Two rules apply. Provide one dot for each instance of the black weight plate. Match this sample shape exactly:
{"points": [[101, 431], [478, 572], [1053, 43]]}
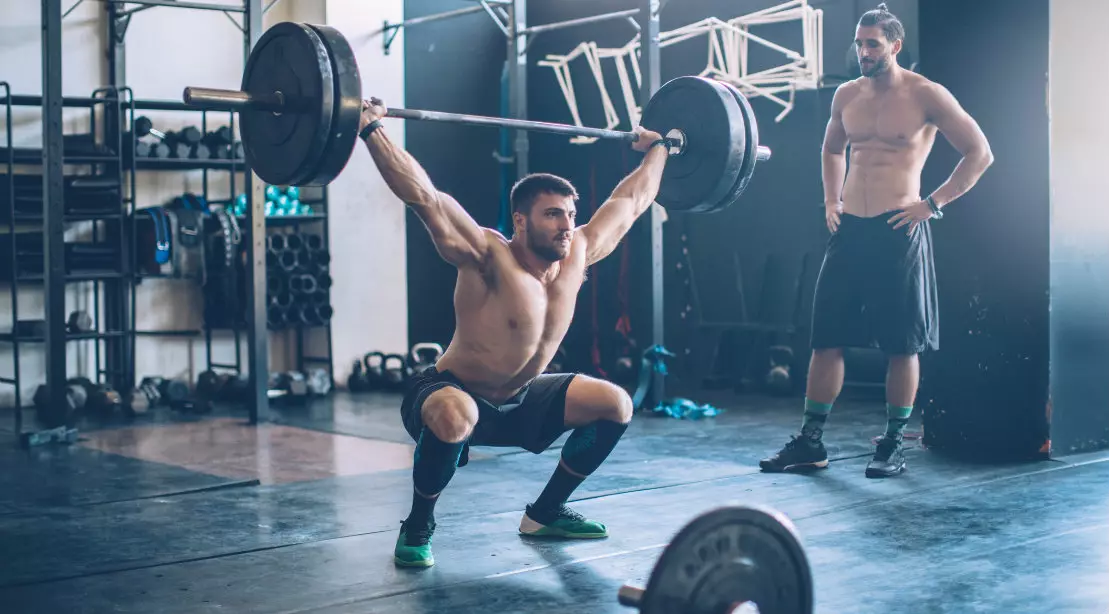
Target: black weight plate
{"points": [[712, 123], [348, 107], [747, 171], [284, 148], [729, 556]]}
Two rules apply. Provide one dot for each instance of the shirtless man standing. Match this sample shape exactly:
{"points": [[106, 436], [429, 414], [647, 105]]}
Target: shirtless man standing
{"points": [[514, 300], [877, 286]]}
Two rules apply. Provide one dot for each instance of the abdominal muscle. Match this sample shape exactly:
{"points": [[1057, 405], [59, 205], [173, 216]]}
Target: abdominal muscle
{"points": [[881, 178]]}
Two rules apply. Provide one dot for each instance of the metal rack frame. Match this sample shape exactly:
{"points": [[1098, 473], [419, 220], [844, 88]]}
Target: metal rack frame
{"points": [[119, 287], [256, 224]]}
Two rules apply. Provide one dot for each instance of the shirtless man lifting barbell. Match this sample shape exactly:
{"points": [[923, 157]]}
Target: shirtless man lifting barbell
{"points": [[514, 300]]}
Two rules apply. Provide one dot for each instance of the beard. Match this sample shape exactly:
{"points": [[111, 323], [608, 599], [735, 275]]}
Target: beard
{"points": [[877, 68], [547, 250]]}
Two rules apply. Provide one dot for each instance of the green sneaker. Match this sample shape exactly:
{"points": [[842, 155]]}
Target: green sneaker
{"points": [[414, 549], [563, 522]]}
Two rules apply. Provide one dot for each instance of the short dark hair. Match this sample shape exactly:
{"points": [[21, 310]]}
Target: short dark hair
{"points": [[884, 19], [529, 188]]}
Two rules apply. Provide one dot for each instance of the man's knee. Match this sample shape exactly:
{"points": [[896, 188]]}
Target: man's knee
{"points": [[450, 413], [594, 399], [827, 353]]}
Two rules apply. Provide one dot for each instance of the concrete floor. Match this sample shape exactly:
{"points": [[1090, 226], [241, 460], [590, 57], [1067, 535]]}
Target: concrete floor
{"points": [[212, 515]]}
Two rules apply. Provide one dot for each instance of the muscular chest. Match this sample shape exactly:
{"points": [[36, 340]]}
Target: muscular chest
{"points": [[533, 311], [890, 119]]}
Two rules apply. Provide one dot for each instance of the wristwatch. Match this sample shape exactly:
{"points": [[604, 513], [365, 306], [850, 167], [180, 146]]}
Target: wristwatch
{"points": [[936, 213], [369, 129]]}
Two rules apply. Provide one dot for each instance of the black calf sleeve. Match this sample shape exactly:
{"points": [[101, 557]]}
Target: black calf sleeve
{"points": [[434, 463], [589, 446]]}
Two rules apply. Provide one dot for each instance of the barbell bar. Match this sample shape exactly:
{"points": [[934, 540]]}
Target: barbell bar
{"points": [[301, 97], [237, 100]]}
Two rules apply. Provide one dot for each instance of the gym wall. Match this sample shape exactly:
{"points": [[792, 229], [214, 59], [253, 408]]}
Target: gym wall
{"points": [[450, 65], [779, 220], [456, 65], [368, 294], [1079, 227], [985, 391]]}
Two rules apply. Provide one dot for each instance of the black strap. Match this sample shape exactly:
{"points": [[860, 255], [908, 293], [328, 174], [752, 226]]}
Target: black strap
{"points": [[369, 129]]}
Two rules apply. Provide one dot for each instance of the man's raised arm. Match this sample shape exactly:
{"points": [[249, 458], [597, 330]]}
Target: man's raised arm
{"points": [[632, 196], [457, 237]]}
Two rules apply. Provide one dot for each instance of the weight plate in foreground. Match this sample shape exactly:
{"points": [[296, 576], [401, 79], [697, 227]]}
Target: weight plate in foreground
{"points": [[284, 148], [728, 556], [747, 171], [347, 107], [713, 125]]}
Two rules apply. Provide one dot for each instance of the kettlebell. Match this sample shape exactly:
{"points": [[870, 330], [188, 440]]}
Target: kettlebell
{"points": [[779, 380], [423, 355], [394, 371], [357, 380], [374, 363]]}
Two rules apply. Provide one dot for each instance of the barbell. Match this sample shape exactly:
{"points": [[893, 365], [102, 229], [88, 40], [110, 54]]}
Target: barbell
{"points": [[730, 560], [301, 99]]}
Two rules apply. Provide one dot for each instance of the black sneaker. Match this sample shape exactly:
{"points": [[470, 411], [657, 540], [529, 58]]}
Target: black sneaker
{"points": [[889, 459], [802, 453], [413, 547]]}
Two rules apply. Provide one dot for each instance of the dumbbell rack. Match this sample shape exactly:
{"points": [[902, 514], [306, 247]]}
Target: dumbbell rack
{"points": [[277, 225], [35, 222]]}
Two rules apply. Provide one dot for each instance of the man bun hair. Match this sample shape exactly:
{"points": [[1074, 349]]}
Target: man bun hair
{"points": [[887, 21]]}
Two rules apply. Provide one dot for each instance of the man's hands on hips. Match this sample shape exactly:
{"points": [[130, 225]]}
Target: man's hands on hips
{"points": [[646, 138], [832, 211], [912, 214], [372, 109]]}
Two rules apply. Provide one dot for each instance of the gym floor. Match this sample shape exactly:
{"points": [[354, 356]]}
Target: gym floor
{"points": [[209, 514]]}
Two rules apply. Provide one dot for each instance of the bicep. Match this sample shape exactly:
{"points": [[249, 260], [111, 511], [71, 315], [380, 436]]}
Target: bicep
{"points": [[956, 125], [457, 236], [835, 135]]}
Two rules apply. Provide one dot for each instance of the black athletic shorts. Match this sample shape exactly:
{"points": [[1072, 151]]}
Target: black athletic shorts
{"points": [[877, 288], [532, 419]]}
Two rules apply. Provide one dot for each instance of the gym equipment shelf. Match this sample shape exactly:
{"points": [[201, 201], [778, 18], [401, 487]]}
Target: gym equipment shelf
{"points": [[38, 233], [113, 304]]}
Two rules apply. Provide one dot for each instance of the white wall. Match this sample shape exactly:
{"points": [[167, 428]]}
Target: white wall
{"points": [[368, 293], [367, 224], [1079, 130]]}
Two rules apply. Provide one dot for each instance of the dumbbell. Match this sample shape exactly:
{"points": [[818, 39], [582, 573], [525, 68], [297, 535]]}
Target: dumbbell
{"points": [[146, 149], [191, 136], [76, 396], [219, 142], [176, 147]]}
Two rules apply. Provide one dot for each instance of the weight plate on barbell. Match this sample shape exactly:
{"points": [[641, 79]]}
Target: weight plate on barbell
{"points": [[712, 124], [285, 148], [751, 144], [729, 556], [347, 98]]}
